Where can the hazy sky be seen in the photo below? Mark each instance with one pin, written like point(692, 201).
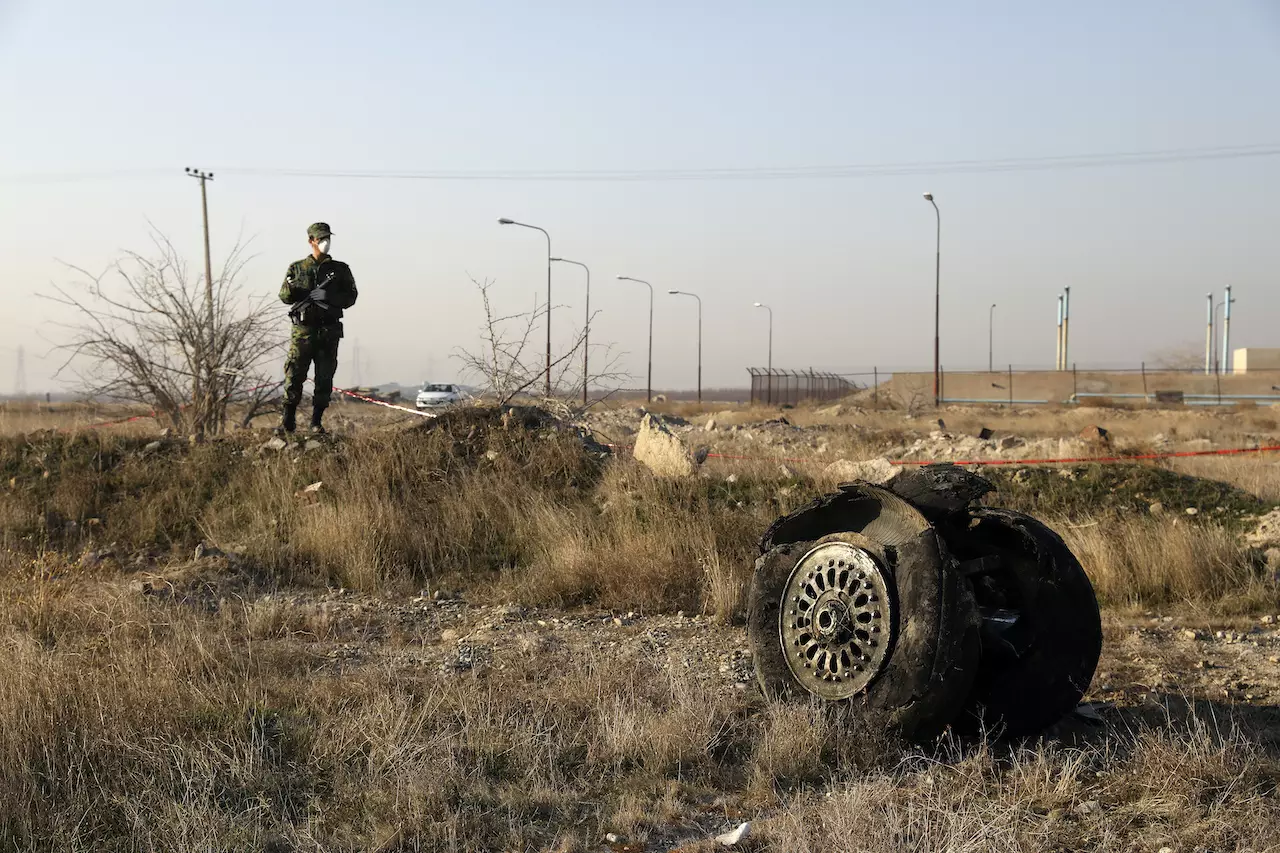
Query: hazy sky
point(116, 98)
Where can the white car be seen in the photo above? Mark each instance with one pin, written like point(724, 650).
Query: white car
point(438, 395)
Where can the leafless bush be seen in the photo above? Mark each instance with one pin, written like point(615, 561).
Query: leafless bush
point(509, 363)
point(146, 332)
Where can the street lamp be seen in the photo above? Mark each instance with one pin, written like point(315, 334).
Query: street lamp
point(586, 328)
point(990, 349)
point(769, 387)
point(937, 300)
point(695, 296)
point(505, 221)
point(649, 382)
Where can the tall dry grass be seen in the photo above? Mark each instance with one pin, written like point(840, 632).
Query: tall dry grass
point(136, 723)
point(501, 514)
point(1159, 561)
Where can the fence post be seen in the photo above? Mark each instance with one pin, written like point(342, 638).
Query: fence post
point(1145, 397)
point(1075, 388)
point(942, 384)
point(1011, 386)
point(875, 388)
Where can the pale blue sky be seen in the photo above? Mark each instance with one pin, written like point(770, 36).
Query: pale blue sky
point(94, 89)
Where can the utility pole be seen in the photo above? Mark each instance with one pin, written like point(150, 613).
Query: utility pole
point(1057, 353)
point(204, 177)
point(205, 346)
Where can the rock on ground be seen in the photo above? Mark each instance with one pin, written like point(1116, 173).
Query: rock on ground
point(658, 448)
point(876, 471)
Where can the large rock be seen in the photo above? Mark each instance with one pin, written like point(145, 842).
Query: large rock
point(661, 451)
point(876, 471)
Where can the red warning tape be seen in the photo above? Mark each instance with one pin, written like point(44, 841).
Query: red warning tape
point(385, 403)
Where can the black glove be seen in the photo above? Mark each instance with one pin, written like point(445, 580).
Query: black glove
point(318, 294)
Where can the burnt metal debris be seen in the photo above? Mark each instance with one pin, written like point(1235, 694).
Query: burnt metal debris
point(921, 610)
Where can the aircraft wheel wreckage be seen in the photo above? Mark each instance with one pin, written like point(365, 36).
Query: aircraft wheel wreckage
point(917, 609)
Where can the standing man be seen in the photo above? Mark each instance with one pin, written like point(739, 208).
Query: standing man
point(318, 288)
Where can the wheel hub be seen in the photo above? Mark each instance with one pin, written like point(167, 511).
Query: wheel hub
point(835, 621)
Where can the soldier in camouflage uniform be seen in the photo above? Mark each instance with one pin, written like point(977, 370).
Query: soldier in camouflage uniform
point(318, 288)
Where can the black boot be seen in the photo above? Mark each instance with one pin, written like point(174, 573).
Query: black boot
point(288, 419)
point(317, 414)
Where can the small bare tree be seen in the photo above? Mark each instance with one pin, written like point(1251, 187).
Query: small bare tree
point(508, 366)
point(141, 334)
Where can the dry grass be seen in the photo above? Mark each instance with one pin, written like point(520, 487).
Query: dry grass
point(1159, 561)
point(1258, 474)
point(129, 722)
point(135, 722)
point(1197, 783)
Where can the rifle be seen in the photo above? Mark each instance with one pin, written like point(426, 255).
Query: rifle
point(297, 312)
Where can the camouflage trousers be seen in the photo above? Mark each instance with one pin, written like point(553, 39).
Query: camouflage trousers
point(308, 345)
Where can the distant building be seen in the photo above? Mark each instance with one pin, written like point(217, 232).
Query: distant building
point(1253, 359)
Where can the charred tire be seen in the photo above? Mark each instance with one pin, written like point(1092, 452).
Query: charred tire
point(920, 685)
point(1040, 674)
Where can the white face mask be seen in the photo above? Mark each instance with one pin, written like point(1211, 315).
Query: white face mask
point(323, 244)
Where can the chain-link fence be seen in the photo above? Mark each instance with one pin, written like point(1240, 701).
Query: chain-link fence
point(772, 386)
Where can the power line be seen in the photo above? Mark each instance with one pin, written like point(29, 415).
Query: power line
point(1048, 163)
point(866, 170)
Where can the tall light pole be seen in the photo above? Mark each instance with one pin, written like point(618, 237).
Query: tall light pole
point(769, 392)
point(649, 381)
point(991, 317)
point(937, 301)
point(586, 326)
point(695, 296)
point(505, 221)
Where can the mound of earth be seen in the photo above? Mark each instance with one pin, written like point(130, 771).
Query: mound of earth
point(1086, 490)
point(470, 428)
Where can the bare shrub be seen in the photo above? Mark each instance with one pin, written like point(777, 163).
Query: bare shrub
point(146, 332)
point(509, 363)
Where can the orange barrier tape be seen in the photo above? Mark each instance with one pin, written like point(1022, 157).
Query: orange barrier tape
point(386, 404)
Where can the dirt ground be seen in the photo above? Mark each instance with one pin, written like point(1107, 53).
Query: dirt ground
point(276, 711)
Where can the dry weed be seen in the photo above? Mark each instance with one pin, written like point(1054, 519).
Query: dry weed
point(1159, 561)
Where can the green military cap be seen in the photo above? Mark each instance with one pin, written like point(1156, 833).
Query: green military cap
point(318, 229)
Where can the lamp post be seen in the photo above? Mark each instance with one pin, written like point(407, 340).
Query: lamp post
point(505, 221)
point(769, 391)
point(586, 326)
point(695, 296)
point(649, 381)
point(937, 300)
point(990, 337)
